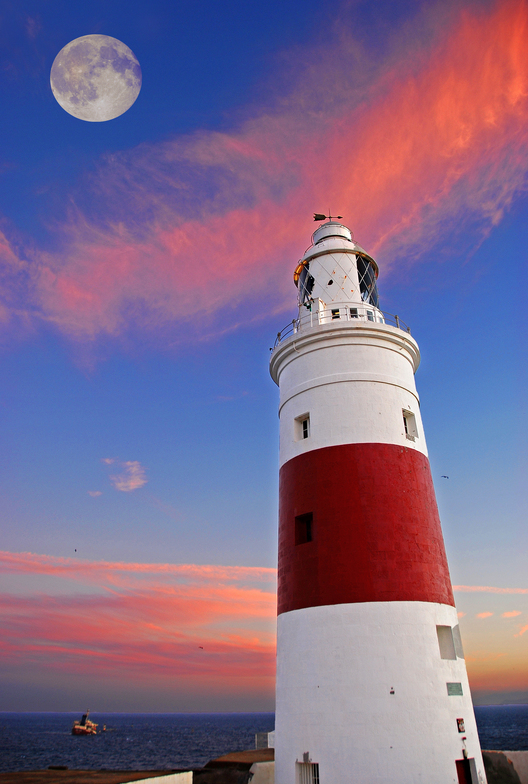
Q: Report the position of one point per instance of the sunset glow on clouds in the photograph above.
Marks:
(191, 225)
(131, 478)
(180, 623)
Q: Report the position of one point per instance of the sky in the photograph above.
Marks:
(145, 268)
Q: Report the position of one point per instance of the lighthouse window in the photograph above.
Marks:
(307, 773)
(409, 425)
(367, 281)
(370, 315)
(446, 642)
(306, 284)
(335, 314)
(354, 313)
(304, 528)
(302, 427)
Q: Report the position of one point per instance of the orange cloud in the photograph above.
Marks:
(484, 615)
(173, 621)
(487, 589)
(512, 614)
(433, 144)
(132, 477)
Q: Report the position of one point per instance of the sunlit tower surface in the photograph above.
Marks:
(371, 679)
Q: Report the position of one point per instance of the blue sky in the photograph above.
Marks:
(147, 266)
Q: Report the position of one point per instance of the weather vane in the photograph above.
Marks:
(319, 216)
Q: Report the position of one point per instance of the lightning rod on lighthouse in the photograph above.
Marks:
(371, 679)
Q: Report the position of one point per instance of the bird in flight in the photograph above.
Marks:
(444, 477)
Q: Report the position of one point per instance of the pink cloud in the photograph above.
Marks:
(204, 230)
(512, 614)
(131, 478)
(522, 631)
(484, 615)
(143, 619)
(487, 589)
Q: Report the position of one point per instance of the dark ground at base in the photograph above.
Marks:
(229, 769)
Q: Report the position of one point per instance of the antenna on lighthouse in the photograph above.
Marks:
(318, 216)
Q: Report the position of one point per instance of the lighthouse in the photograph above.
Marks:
(371, 678)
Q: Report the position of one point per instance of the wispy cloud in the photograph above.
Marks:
(487, 589)
(171, 620)
(95, 493)
(410, 148)
(522, 631)
(131, 478)
(511, 614)
(484, 615)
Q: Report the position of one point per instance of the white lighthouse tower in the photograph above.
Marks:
(371, 679)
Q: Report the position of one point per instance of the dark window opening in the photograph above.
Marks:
(304, 528)
(305, 431)
(335, 314)
(354, 313)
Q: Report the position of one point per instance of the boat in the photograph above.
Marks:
(84, 726)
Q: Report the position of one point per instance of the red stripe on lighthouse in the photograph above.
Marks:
(366, 523)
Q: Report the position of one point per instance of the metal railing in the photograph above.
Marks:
(344, 313)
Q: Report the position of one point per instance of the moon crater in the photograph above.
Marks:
(95, 78)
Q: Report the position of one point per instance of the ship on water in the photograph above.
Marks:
(84, 726)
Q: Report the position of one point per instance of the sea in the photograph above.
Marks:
(171, 741)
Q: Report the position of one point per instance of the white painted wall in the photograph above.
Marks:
(185, 777)
(336, 666)
(354, 380)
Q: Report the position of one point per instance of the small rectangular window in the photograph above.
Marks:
(302, 427)
(457, 639)
(304, 528)
(409, 425)
(370, 315)
(307, 773)
(446, 642)
(354, 313)
(336, 314)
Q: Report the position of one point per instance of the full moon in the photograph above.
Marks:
(95, 78)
